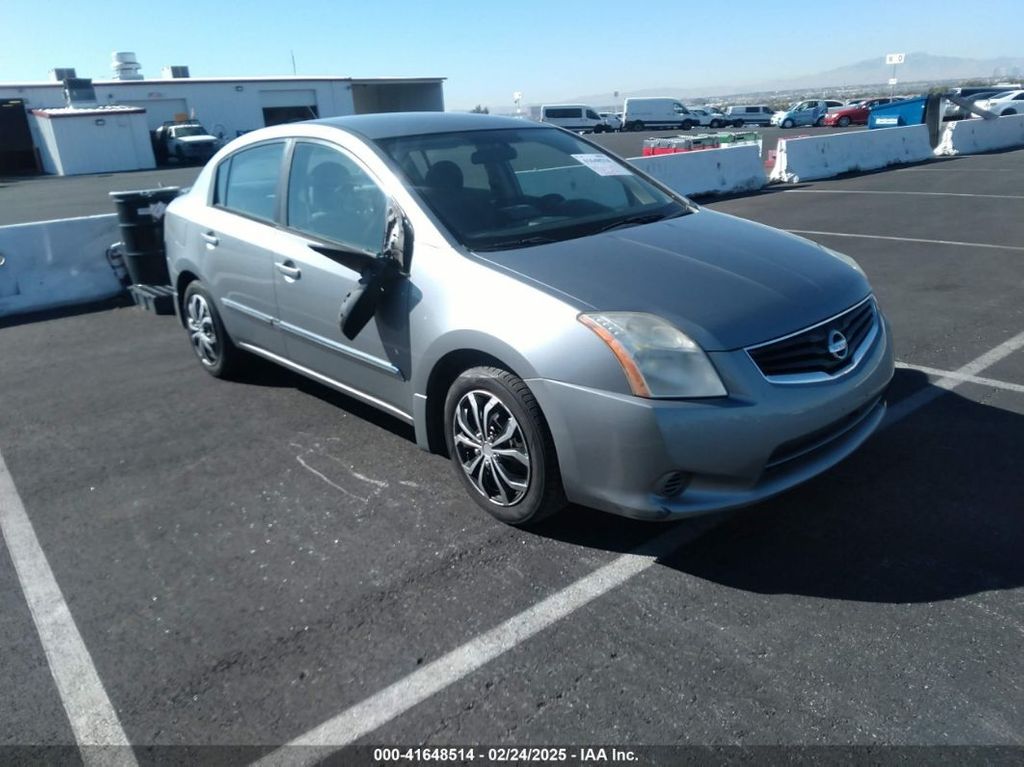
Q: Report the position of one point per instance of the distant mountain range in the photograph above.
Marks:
(918, 67)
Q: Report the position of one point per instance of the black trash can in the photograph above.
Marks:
(140, 214)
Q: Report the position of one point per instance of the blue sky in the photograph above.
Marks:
(547, 49)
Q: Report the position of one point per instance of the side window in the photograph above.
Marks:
(248, 182)
(592, 115)
(331, 197)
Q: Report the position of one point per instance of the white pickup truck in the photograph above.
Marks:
(185, 142)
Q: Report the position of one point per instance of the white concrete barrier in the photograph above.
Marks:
(707, 171)
(972, 136)
(56, 263)
(815, 157)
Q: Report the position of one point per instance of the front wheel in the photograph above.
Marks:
(1008, 112)
(216, 352)
(844, 121)
(686, 125)
(501, 448)
(787, 123)
(715, 124)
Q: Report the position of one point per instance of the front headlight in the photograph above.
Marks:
(659, 360)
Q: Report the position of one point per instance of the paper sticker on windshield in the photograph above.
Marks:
(602, 165)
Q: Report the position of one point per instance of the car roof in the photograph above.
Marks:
(392, 124)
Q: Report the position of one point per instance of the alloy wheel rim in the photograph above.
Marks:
(201, 330)
(491, 448)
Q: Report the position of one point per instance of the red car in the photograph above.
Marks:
(856, 114)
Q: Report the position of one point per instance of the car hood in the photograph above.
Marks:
(726, 282)
(197, 139)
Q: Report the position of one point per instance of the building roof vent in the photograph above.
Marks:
(79, 92)
(175, 73)
(60, 74)
(125, 66)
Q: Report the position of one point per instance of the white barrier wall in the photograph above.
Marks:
(815, 157)
(971, 136)
(56, 263)
(707, 171)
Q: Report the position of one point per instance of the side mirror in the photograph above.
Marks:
(397, 244)
(376, 273)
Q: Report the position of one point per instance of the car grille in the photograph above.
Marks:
(804, 357)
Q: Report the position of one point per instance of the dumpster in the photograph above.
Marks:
(898, 113)
(140, 216)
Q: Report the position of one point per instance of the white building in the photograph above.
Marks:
(226, 106)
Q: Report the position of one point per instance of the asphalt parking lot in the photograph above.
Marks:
(267, 562)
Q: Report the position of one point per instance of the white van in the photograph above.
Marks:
(643, 113)
(574, 117)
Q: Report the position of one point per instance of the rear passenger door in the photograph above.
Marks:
(235, 262)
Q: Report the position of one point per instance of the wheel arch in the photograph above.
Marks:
(448, 363)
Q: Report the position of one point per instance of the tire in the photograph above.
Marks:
(686, 125)
(737, 123)
(844, 121)
(638, 125)
(787, 123)
(211, 343)
(715, 124)
(515, 493)
(179, 155)
(819, 122)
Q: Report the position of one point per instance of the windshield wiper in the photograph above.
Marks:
(523, 242)
(647, 218)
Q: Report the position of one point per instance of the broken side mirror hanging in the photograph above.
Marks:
(376, 273)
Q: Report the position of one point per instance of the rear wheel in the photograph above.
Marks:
(501, 448)
(686, 124)
(638, 125)
(210, 342)
(737, 123)
(715, 124)
(819, 122)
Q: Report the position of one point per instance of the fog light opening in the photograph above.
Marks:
(672, 484)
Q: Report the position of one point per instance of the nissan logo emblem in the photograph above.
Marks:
(837, 345)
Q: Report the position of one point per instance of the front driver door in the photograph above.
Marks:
(332, 200)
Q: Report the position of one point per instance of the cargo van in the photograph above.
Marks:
(643, 113)
(574, 117)
(739, 115)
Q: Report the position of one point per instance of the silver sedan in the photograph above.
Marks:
(560, 325)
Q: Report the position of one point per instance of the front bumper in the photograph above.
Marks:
(615, 451)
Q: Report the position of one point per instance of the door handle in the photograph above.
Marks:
(211, 239)
(288, 269)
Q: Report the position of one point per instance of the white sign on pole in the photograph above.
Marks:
(892, 81)
(895, 58)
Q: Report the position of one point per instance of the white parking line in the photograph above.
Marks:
(952, 380)
(92, 717)
(936, 373)
(921, 194)
(394, 700)
(382, 707)
(907, 239)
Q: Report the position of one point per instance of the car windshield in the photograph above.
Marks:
(1000, 95)
(502, 189)
(189, 130)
